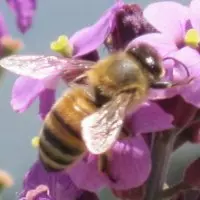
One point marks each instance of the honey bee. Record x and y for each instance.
(89, 117)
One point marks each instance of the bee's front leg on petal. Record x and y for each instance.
(103, 166)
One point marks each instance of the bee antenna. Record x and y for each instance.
(179, 62)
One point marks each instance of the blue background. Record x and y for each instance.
(52, 19)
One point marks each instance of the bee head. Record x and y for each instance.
(149, 59)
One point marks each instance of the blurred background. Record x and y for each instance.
(52, 19)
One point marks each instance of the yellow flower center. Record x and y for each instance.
(192, 38)
(62, 46)
(35, 141)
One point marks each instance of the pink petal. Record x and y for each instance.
(163, 94)
(86, 176)
(24, 92)
(191, 59)
(130, 194)
(194, 14)
(130, 165)
(192, 174)
(47, 99)
(24, 11)
(191, 93)
(90, 38)
(59, 184)
(163, 44)
(149, 118)
(169, 18)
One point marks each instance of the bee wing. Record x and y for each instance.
(101, 129)
(40, 66)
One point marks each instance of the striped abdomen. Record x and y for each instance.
(60, 140)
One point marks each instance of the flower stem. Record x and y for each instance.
(161, 152)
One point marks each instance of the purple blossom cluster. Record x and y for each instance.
(164, 122)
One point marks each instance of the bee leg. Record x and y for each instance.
(103, 166)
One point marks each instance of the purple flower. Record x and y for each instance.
(174, 25)
(129, 163)
(84, 44)
(128, 24)
(40, 185)
(172, 43)
(192, 176)
(24, 11)
(134, 193)
(178, 44)
(26, 90)
(177, 28)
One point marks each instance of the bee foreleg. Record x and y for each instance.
(103, 166)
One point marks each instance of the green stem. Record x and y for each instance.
(161, 152)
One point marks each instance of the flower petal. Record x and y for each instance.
(192, 174)
(163, 44)
(191, 59)
(86, 176)
(176, 106)
(172, 24)
(24, 92)
(59, 184)
(188, 90)
(90, 38)
(191, 93)
(129, 164)
(24, 11)
(149, 118)
(47, 99)
(133, 193)
(194, 14)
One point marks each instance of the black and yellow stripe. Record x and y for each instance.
(60, 141)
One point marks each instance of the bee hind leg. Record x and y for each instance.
(103, 166)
